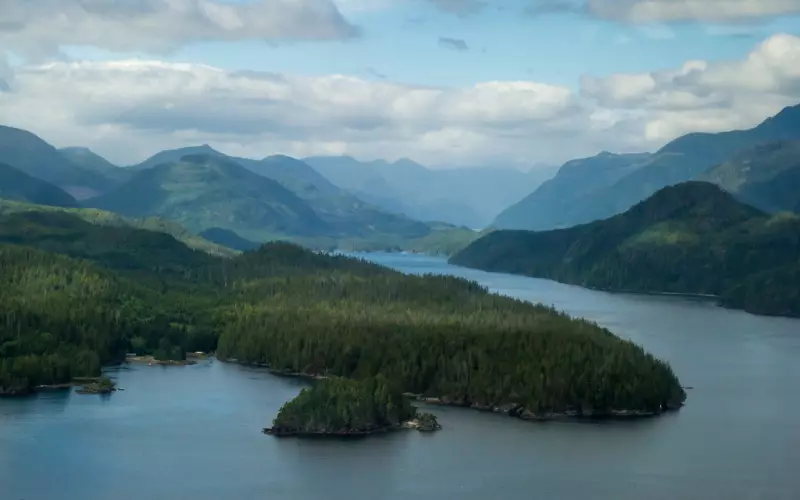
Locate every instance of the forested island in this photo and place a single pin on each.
(76, 296)
(692, 238)
(339, 407)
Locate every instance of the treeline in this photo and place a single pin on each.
(301, 311)
(692, 238)
(343, 407)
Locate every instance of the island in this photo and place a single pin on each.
(78, 296)
(102, 385)
(340, 407)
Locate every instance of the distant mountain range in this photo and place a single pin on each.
(599, 187)
(692, 238)
(202, 191)
(36, 158)
(251, 201)
(468, 196)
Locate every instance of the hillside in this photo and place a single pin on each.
(466, 196)
(557, 202)
(229, 239)
(344, 214)
(691, 238)
(767, 176)
(103, 218)
(19, 186)
(202, 191)
(35, 157)
(297, 311)
(117, 247)
(683, 159)
(87, 159)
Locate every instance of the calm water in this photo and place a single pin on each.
(194, 432)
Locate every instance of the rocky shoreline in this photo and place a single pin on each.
(423, 423)
(519, 411)
(508, 409)
(151, 361)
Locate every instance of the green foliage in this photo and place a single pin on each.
(338, 406)
(296, 310)
(692, 238)
(61, 318)
(103, 218)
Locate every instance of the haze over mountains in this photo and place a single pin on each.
(468, 196)
(241, 200)
(604, 185)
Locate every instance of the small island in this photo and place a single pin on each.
(102, 385)
(340, 407)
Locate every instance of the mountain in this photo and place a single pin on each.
(205, 191)
(19, 186)
(557, 202)
(175, 155)
(342, 212)
(87, 159)
(692, 238)
(35, 157)
(766, 176)
(294, 174)
(683, 159)
(468, 196)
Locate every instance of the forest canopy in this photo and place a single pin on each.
(76, 296)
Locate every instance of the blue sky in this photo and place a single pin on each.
(400, 43)
(494, 86)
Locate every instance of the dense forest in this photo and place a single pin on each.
(343, 407)
(76, 296)
(691, 238)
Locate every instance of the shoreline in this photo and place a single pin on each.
(508, 409)
(719, 300)
(515, 410)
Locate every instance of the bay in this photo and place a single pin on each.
(194, 432)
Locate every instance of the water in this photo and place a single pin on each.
(194, 432)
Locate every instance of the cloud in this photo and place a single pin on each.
(453, 44)
(660, 11)
(129, 109)
(458, 7)
(706, 96)
(37, 28)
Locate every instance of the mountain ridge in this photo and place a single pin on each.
(682, 159)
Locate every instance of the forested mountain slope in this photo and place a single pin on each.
(691, 238)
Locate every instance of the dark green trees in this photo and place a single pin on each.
(343, 407)
(123, 290)
(691, 238)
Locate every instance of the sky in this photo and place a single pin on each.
(444, 82)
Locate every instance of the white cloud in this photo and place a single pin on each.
(657, 11)
(703, 96)
(130, 109)
(36, 28)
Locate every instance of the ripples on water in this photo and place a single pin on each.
(194, 432)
